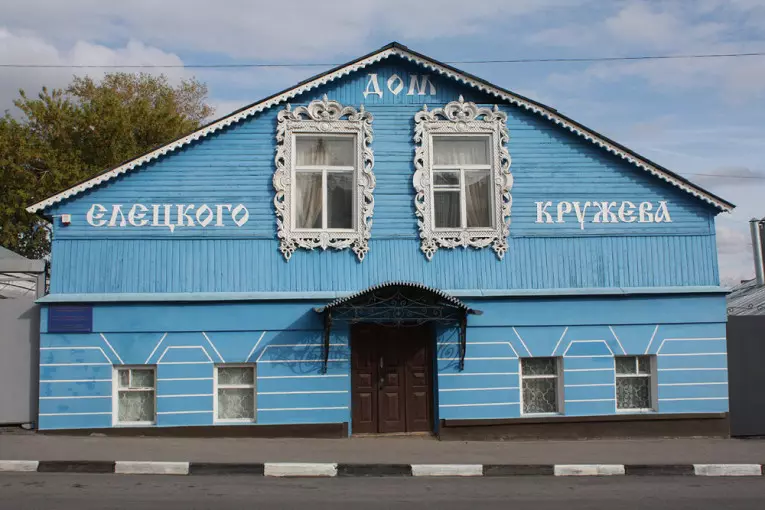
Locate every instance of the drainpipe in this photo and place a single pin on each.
(757, 228)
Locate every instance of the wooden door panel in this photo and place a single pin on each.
(419, 387)
(392, 391)
(363, 382)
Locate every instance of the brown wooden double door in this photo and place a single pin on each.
(391, 379)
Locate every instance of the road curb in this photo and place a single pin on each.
(323, 469)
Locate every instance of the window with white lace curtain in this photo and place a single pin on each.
(540, 385)
(634, 383)
(235, 392)
(135, 402)
(325, 168)
(462, 182)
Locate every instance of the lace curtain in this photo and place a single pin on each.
(540, 385)
(236, 393)
(135, 395)
(633, 382)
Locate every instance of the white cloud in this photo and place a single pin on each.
(26, 48)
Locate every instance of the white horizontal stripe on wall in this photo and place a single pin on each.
(298, 376)
(300, 360)
(586, 385)
(71, 414)
(591, 400)
(186, 378)
(318, 392)
(73, 380)
(480, 359)
(479, 389)
(303, 409)
(482, 405)
(694, 384)
(184, 412)
(185, 363)
(688, 369)
(692, 398)
(696, 354)
(588, 369)
(184, 396)
(593, 356)
(74, 396)
(480, 373)
(75, 364)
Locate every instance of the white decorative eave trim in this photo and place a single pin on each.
(353, 67)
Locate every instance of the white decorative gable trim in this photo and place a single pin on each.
(327, 117)
(460, 117)
(382, 54)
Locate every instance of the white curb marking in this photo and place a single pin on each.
(299, 469)
(589, 469)
(447, 470)
(130, 467)
(25, 466)
(727, 469)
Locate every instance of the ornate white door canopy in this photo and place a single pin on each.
(324, 117)
(461, 117)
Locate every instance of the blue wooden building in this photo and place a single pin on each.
(392, 246)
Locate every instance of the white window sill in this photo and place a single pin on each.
(635, 411)
(234, 422)
(128, 424)
(539, 415)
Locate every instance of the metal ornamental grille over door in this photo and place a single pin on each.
(398, 304)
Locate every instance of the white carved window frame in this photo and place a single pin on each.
(462, 118)
(328, 118)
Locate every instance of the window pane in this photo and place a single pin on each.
(124, 378)
(340, 200)
(540, 395)
(446, 178)
(236, 375)
(625, 364)
(135, 406)
(633, 392)
(142, 378)
(325, 151)
(308, 200)
(236, 403)
(452, 150)
(477, 199)
(644, 364)
(539, 366)
(446, 208)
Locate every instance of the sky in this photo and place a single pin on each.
(701, 118)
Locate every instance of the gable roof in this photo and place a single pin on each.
(393, 49)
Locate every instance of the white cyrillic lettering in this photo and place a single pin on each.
(581, 214)
(183, 215)
(662, 213)
(625, 212)
(219, 214)
(399, 84)
(645, 215)
(205, 209)
(240, 209)
(542, 215)
(375, 90)
(117, 210)
(605, 215)
(96, 218)
(420, 86)
(136, 218)
(563, 208)
(155, 217)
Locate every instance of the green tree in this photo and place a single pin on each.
(65, 136)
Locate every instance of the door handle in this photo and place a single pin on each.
(381, 362)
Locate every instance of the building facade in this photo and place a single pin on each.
(391, 246)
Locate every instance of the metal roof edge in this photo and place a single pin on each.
(182, 297)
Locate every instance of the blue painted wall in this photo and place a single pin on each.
(685, 333)
(236, 166)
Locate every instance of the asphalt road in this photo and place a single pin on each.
(101, 492)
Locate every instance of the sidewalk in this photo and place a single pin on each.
(38, 447)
